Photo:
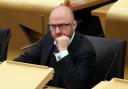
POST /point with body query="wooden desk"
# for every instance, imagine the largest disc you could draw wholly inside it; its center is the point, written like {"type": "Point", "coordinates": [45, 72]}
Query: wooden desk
{"type": "Point", "coordinates": [81, 4]}
{"type": "Point", "coordinates": [114, 83]}
{"type": "Point", "coordinates": [101, 12]}
{"type": "Point", "coordinates": [114, 33]}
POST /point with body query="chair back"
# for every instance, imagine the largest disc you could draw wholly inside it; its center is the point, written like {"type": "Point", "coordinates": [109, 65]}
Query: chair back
{"type": "Point", "coordinates": [110, 58]}
{"type": "Point", "coordinates": [4, 40]}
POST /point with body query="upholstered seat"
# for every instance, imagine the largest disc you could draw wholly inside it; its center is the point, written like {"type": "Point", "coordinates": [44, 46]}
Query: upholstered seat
{"type": "Point", "coordinates": [110, 59]}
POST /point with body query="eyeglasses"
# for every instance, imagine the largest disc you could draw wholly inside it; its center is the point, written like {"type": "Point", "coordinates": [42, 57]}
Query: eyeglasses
{"type": "Point", "coordinates": [62, 26]}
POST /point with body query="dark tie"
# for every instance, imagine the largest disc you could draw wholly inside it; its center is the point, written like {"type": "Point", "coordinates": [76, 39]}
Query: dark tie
{"type": "Point", "coordinates": [56, 49]}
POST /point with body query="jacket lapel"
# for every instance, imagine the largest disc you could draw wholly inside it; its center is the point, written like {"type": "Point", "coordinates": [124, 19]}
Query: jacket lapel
{"type": "Point", "coordinates": [47, 49]}
{"type": "Point", "coordinates": [74, 44]}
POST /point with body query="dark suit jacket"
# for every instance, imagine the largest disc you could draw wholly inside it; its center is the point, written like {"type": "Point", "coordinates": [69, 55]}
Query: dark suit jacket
{"type": "Point", "coordinates": [75, 69]}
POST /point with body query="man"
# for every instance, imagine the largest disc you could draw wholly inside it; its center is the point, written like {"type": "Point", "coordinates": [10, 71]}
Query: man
{"type": "Point", "coordinates": [73, 63]}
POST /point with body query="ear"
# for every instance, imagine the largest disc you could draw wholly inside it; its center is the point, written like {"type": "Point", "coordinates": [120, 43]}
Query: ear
{"type": "Point", "coordinates": [74, 24]}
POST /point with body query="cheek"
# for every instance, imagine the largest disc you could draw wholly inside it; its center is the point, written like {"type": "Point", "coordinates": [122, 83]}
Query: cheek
{"type": "Point", "coordinates": [68, 33]}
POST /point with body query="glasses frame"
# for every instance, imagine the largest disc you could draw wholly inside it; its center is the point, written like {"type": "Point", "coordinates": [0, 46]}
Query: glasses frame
{"type": "Point", "coordinates": [62, 26]}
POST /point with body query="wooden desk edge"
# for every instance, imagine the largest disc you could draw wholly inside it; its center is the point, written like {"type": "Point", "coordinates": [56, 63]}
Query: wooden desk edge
{"type": "Point", "coordinates": [101, 11]}
{"type": "Point", "coordinates": [80, 6]}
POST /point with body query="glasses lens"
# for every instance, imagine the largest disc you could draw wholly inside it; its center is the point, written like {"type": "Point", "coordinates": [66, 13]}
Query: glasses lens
{"type": "Point", "coordinates": [52, 27]}
{"type": "Point", "coordinates": [62, 26]}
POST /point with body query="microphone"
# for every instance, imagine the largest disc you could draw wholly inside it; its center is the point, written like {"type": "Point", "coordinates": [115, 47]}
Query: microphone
{"type": "Point", "coordinates": [30, 45]}
{"type": "Point", "coordinates": [110, 67]}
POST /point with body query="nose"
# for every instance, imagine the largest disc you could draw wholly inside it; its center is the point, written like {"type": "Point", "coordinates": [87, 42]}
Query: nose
{"type": "Point", "coordinates": [58, 30]}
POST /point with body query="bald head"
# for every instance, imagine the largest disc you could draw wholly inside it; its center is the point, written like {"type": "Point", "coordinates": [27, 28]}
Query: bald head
{"type": "Point", "coordinates": [62, 11]}
{"type": "Point", "coordinates": [62, 22]}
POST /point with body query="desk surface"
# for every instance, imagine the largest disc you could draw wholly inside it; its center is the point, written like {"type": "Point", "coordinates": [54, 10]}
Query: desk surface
{"type": "Point", "coordinates": [80, 4]}
{"type": "Point", "coordinates": [102, 10]}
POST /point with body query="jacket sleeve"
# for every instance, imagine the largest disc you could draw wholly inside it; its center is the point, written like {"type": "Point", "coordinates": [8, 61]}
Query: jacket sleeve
{"type": "Point", "coordinates": [34, 55]}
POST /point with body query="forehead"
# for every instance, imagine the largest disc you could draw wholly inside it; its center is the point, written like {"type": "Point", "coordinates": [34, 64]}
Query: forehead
{"type": "Point", "coordinates": [60, 14]}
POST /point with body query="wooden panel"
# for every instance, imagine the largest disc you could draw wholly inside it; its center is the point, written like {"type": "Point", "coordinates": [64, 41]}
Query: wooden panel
{"type": "Point", "coordinates": [117, 21]}
{"type": "Point", "coordinates": [14, 13]}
